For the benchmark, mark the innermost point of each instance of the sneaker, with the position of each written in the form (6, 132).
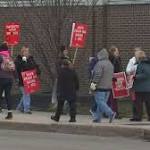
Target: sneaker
(54, 119)
(92, 113)
(112, 117)
(96, 121)
(135, 120)
(20, 110)
(9, 116)
(72, 120)
(28, 112)
(118, 117)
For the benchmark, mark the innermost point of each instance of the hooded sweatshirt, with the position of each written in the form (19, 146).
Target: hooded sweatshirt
(103, 71)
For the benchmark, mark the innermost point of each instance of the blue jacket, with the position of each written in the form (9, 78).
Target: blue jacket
(142, 78)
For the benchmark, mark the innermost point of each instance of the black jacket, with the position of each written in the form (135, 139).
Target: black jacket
(142, 78)
(116, 61)
(22, 66)
(59, 63)
(68, 84)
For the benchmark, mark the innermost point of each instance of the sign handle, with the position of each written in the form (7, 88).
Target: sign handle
(12, 50)
(75, 56)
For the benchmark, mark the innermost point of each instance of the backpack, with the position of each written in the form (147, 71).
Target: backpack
(7, 62)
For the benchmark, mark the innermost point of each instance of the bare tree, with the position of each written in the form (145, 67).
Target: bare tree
(50, 24)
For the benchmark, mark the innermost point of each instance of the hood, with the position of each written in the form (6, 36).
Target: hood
(103, 54)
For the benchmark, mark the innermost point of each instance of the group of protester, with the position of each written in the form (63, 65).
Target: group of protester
(101, 69)
(101, 83)
(11, 69)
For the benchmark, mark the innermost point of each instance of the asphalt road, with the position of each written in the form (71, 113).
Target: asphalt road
(20, 140)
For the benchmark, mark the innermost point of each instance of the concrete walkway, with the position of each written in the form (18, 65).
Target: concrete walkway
(40, 121)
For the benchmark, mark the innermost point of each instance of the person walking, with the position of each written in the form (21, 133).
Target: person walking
(102, 86)
(131, 70)
(142, 86)
(25, 62)
(7, 69)
(92, 63)
(63, 55)
(67, 87)
(114, 57)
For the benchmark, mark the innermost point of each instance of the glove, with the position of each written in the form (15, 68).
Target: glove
(93, 86)
(24, 58)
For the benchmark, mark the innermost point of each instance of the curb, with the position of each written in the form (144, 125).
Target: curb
(102, 130)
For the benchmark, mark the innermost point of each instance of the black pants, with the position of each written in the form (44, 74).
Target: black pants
(6, 86)
(134, 110)
(142, 97)
(60, 105)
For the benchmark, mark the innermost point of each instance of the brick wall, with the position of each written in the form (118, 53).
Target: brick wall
(125, 26)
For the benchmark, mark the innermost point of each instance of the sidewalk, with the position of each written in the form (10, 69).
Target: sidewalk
(40, 121)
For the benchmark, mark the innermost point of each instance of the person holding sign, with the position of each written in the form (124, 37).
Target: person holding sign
(25, 62)
(63, 55)
(142, 86)
(7, 68)
(114, 57)
(67, 87)
(130, 72)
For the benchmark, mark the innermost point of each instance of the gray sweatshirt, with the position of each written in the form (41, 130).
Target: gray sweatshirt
(103, 71)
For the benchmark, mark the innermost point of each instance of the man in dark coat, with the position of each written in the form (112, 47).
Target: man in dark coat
(142, 87)
(67, 87)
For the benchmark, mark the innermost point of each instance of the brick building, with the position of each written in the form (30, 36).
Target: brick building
(124, 23)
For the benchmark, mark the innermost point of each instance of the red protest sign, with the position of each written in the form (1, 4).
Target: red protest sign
(12, 31)
(120, 86)
(31, 81)
(78, 35)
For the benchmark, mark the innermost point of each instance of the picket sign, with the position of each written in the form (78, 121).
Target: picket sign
(120, 86)
(78, 37)
(31, 81)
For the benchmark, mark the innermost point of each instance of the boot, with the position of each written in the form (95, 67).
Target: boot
(54, 118)
(9, 116)
(73, 119)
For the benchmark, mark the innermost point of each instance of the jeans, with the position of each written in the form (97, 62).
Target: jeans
(94, 105)
(5, 86)
(25, 102)
(101, 98)
(113, 104)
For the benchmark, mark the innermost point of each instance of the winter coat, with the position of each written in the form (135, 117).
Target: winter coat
(5, 74)
(68, 84)
(142, 78)
(103, 71)
(22, 66)
(116, 61)
(132, 66)
(59, 63)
